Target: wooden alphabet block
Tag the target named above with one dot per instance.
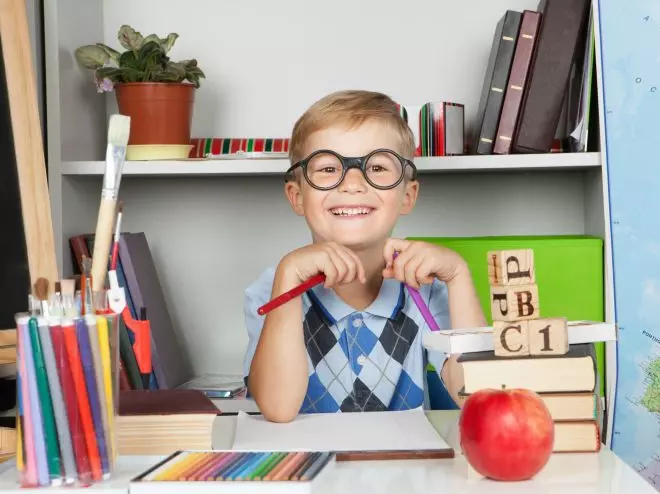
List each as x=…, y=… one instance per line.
x=511, y=339
x=514, y=303
x=548, y=336
x=511, y=267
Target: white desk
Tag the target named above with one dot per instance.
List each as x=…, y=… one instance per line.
x=565, y=473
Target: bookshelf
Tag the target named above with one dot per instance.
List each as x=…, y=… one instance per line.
x=261, y=167
x=214, y=226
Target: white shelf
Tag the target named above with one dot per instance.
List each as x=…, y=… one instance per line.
x=514, y=162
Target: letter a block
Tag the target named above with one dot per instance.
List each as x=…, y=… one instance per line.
x=511, y=267
x=511, y=339
x=548, y=336
x=514, y=303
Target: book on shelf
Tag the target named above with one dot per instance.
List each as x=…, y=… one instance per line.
x=137, y=274
x=495, y=81
x=538, y=83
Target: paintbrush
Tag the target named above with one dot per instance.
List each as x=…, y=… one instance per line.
x=118, y=133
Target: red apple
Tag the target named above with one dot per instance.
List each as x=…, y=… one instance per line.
x=506, y=434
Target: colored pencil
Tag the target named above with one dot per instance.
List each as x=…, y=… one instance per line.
x=205, y=472
x=315, y=467
x=87, y=360
x=82, y=398
x=45, y=400
x=266, y=467
x=291, y=294
x=231, y=466
x=83, y=465
x=30, y=474
x=421, y=305
x=106, y=365
x=94, y=345
x=63, y=431
x=37, y=418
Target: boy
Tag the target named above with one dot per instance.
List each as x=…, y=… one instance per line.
x=354, y=343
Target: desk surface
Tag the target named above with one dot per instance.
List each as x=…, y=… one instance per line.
x=565, y=473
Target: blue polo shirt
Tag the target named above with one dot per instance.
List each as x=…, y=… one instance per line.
x=366, y=360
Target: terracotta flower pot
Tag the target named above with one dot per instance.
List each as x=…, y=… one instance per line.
x=161, y=113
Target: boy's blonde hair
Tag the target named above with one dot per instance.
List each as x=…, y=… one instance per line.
x=351, y=108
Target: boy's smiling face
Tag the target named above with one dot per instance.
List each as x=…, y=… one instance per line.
x=354, y=213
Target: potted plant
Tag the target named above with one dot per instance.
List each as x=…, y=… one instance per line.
x=156, y=92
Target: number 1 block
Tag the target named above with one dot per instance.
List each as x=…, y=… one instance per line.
x=548, y=336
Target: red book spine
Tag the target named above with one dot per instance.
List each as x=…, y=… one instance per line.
x=517, y=80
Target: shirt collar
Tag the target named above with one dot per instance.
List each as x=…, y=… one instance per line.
x=388, y=303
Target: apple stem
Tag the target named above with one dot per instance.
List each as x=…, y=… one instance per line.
x=503, y=386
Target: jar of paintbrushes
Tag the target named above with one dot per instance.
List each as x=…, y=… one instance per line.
x=67, y=385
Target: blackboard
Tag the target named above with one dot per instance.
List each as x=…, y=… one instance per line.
x=14, y=270
x=27, y=249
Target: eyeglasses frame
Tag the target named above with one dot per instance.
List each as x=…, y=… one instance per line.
x=349, y=163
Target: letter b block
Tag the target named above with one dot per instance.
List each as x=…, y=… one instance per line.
x=548, y=336
x=511, y=339
x=511, y=267
x=514, y=303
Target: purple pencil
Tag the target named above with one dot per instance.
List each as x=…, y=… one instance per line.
x=92, y=391
x=423, y=308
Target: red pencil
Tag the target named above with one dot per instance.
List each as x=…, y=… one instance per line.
x=294, y=292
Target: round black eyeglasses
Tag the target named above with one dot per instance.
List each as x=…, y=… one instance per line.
x=382, y=168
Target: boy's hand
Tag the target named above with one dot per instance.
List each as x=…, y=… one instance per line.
x=339, y=264
x=417, y=263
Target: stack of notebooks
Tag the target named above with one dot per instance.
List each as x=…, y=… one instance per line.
x=138, y=276
x=163, y=421
x=539, y=83
x=534, y=353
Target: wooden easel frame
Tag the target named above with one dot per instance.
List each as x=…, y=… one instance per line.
x=29, y=151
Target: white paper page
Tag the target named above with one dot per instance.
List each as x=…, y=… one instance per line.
x=357, y=431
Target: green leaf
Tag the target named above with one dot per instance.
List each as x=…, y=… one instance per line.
x=128, y=60
x=168, y=42
x=129, y=38
x=111, y=52
x=91, y=56
x=150, y=55
x=112, y=73
x=149, y=39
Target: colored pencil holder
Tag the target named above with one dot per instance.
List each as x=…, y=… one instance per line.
x=67, y=387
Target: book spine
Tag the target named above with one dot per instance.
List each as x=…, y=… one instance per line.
x=517, y=80
x=497, y=82
x=560, y=34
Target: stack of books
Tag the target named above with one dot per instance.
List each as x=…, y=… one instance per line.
x=539, y=82
x=534, y=353
x=164, y=421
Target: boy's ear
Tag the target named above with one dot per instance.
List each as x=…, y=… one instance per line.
x=294, y=196
x=410, y=193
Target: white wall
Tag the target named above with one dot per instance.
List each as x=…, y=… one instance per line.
x=267, y=61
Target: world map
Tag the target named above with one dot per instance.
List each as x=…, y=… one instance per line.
x=630, y=36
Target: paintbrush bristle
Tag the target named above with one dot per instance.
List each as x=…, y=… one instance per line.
x=119, y=130
x=69, y=287
x=58, y=287
x=41, y=289
x=87, y=264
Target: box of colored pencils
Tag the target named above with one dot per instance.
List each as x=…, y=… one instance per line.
x=67, y=387
x=235, y=471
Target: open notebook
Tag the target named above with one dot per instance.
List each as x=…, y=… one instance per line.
x=408, y=433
